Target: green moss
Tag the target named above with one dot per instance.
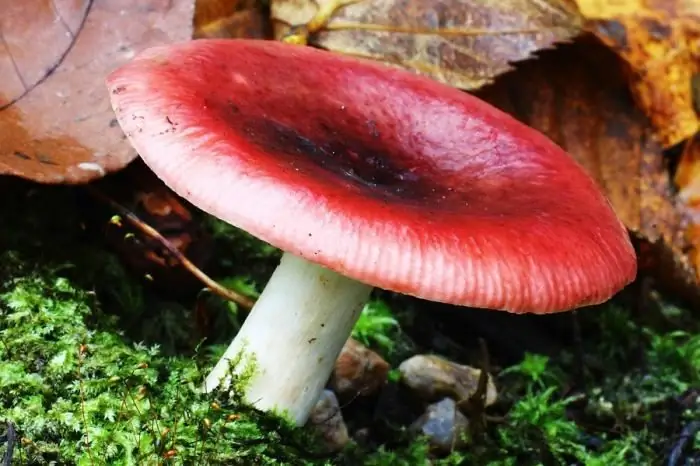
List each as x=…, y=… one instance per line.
x=377, y=327
x=78, y=392
x=76, y=379
x=625, y=415
x=95, y=369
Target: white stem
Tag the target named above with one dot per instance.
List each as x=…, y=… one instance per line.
x=295, y=332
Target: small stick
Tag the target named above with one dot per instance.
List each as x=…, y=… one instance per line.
x=687, y=434
x=476, y=404
x=9, y=438
x=148, y=230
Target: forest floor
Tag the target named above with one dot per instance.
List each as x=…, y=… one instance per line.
x=99, y=366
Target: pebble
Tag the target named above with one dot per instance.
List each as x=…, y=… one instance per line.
x=358, y=371
x=433, y=377
x=445, y=426
x=327, y=419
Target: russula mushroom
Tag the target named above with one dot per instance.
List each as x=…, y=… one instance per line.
x=364, y=175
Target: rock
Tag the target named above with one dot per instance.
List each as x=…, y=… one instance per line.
x=358, y=371
x=327, y=419
x=444, y=425
x=432, y=378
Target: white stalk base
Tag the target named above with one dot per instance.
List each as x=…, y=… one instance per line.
x=295, y=332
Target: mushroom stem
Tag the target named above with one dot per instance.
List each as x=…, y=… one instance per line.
x=295, y=332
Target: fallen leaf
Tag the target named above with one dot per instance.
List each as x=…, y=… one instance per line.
x=659, y=41
x=138, y=190
x=56, y=123
x=687, y=180
x=230, y=19
x=210, y=11
x=464, y=43
x=578, y=96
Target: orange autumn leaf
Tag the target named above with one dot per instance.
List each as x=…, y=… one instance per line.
x=687, y=176
x=687, y=180
x=659, y=41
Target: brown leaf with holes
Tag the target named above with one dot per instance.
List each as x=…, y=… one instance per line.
x=56, y=123
x=464, y=43
x=659, y=41
x=578, y=96
x=231, y=19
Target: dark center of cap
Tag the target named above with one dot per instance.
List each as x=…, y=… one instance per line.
x=355, y=154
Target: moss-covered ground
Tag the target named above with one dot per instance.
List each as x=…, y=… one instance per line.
x=98, y=368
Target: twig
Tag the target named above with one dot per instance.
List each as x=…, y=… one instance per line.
x=9, y=438
x=476, y=404
x=148, y=230
x=687, y=434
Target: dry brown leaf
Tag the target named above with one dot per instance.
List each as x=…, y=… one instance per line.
x=578, y=96
x=230, y=19
x=464, y=43
x=659, y=41
x=56, y=124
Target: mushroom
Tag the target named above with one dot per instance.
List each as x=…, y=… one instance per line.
x=364, y=176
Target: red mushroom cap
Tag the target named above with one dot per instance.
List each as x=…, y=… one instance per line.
x=389, y=178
